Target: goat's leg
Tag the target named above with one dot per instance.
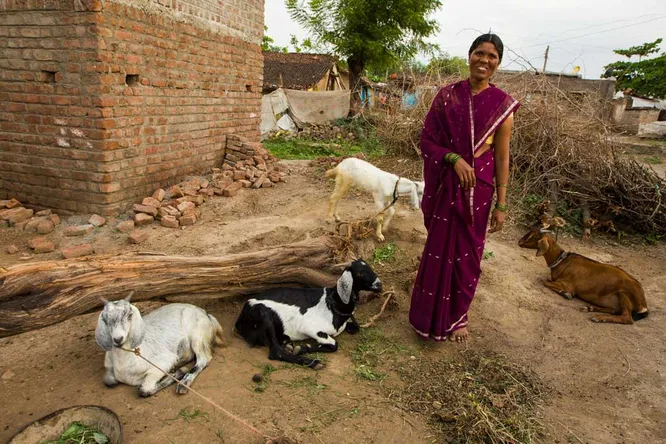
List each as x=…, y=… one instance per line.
x=352, y=326
x=325, y=343
x=109, y=378
x=387, y=219
x=342, y=186
x=379, y=204
x=597, y=309
x=203, y=355
x=560, y=289
x=154, y=381
x=623, y=318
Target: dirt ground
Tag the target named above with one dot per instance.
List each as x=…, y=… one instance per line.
x=603, y=383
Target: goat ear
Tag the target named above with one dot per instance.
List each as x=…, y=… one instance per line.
x=344, y=287
x=138, y=329
x=103, y=334
x=542, y=246
x=128, y=298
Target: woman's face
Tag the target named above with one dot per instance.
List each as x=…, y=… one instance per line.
x=483, y=61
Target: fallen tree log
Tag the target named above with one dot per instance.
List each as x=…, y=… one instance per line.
x=35, y=295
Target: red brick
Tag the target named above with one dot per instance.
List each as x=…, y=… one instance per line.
x=196, y=200
x=137, y=236
x=78, y=230
x=55, y=219
x=143, y=219
x=78, y=251
x=175, y=191
x=44, y=247
x=43, y=213
x=169, y=222
x=147, y=209
x=125, y=226
x=159, y=194
x=32, y=243
x=245, y=183
x=151, y=202
x=45, y=227
x=182, y=207
x=21, y=215
x=13, y=203
x=189, y=219
x=97, y=220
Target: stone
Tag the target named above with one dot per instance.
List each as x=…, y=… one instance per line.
x=189, y=219
x=137, y=236
x=185, y=205
x=78, y=230
x=147, y=209
x=245, y=183
x=19, y=216
x=44, y=247
x=3, y=203
x=6, y=376
x=141, y=219
x=274, y=177
x=43, y=213
x=97, y=220
x=78, y=251
x=13, y=203
x=218, y=191
x=170, y=222
x=159, y=194
x=45, y=227
x=32, y=243
x=267, y=184
x=196, y=200
x=151, y=202
x=12, y=249
x=55, y=219
x=30, y=225
x=175, y=191
x=125, y=226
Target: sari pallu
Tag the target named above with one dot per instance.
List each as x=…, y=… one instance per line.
x=456, y=219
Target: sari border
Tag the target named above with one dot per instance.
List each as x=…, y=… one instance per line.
x=495, y=125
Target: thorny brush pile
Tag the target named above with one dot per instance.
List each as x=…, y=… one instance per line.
x=561, y=150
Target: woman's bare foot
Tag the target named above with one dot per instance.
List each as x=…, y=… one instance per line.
x=460, y=335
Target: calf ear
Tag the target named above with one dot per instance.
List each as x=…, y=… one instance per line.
x=344, y=287
x=542, y=247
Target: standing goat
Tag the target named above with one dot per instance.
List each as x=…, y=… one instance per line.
x=170, y=337
x=609, y=289
x=385, y=188
x=279, y=316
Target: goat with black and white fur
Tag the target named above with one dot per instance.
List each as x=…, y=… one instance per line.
x=170, y=337
x=279, y=316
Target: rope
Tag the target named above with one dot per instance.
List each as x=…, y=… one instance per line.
x=249, y=426
x=389, y=295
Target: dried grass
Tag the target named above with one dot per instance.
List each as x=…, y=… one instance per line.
x=562, y=149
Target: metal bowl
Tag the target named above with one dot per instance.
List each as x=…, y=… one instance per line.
x=51, y=426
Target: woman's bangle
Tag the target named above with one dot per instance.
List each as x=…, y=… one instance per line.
x=501, y=185
x=501, y=207
x=452, y=158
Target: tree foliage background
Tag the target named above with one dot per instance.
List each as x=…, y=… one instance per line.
x=646, y=77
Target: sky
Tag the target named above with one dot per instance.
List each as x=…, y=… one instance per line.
x=579, y=32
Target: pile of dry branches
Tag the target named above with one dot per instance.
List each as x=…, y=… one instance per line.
x=562, y=150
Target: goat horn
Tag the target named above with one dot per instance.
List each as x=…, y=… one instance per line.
x=129, y=296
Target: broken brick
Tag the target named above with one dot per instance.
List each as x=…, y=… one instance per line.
x=55, y=219
x=151, y=202
x=196, y=200
x=137, y=236
x=159, y=194
x=267, y=184
x=147, y=209
x=45, y=227
x=126, y=226
x=97, y=220
x=204, y=184
x=30, y=225
x=170, y=222
x=44, y=247
x=239, y=175
x=20, y=215
x=175, y=191
x=78, y=251
x=245, y=183
x=12, y=249
x=13, y=203
x=189, y=219
x=143, y=219
x=185, y=205
x=32, y=243
x=78, y=230
x=43, y=213
x=218, y=191
x=274, y=177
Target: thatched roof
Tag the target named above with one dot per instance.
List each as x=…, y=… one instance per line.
x=295, y=70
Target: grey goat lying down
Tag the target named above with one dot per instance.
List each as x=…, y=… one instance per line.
x=279, y=316
x=170, y=337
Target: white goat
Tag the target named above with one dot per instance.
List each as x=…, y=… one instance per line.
x=356, y=172
x=170, y=337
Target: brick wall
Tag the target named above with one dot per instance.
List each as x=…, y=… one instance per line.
x=102, y=102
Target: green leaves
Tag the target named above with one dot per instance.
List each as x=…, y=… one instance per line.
x=645, y=77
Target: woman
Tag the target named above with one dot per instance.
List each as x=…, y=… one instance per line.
x=465, y=147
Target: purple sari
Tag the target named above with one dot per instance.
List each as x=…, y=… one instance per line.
x=456, y=219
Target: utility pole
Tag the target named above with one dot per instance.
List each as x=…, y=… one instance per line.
x=545, y=60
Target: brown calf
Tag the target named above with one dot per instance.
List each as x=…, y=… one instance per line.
x=607, y=288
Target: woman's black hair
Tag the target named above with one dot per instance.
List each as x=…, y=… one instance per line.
x=491, y=38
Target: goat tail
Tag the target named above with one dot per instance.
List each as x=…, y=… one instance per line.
x=218, y=338
x=330, y=174
x=638, y=315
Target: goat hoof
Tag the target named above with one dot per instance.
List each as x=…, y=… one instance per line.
x=296, y=350
x=143, y=394
x=586, y=309
x=596, y=319
x=317, y=365
x=181, y=390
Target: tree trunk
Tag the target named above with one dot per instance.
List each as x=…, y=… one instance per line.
x=38, y=294
x=356, y=66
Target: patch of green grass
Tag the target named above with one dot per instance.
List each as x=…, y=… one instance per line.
x=310, y=382
x=186, y=414
x=372, y=348
x=266, y=371
x=301, y=149
x=652, y=239
x=385, y=253
x=487, y=254
x=654, y=160
x=78, y=433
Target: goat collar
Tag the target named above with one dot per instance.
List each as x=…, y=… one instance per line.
x=395, y=191
x=559, y=260
x=334, y=309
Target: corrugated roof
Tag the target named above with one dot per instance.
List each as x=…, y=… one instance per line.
x=295, y=70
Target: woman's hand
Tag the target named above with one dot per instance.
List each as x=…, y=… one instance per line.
x=496, y=221
x=465, y=173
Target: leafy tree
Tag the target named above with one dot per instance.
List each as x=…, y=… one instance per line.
x=646, y=77
x=447, y=65
x=368, y=33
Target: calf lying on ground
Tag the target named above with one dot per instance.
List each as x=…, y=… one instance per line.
x=609, y=289
x=279, y=316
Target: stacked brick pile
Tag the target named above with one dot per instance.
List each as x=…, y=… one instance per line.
x=246, y=165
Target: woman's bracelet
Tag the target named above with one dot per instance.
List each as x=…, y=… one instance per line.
x=501, y=185
x=452, y=158
x=502, y=207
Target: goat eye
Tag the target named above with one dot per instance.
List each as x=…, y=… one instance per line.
x=130, y=316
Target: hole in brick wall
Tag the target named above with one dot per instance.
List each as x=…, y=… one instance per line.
x=248, y=88
x=49, y=76
x=132, y=79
